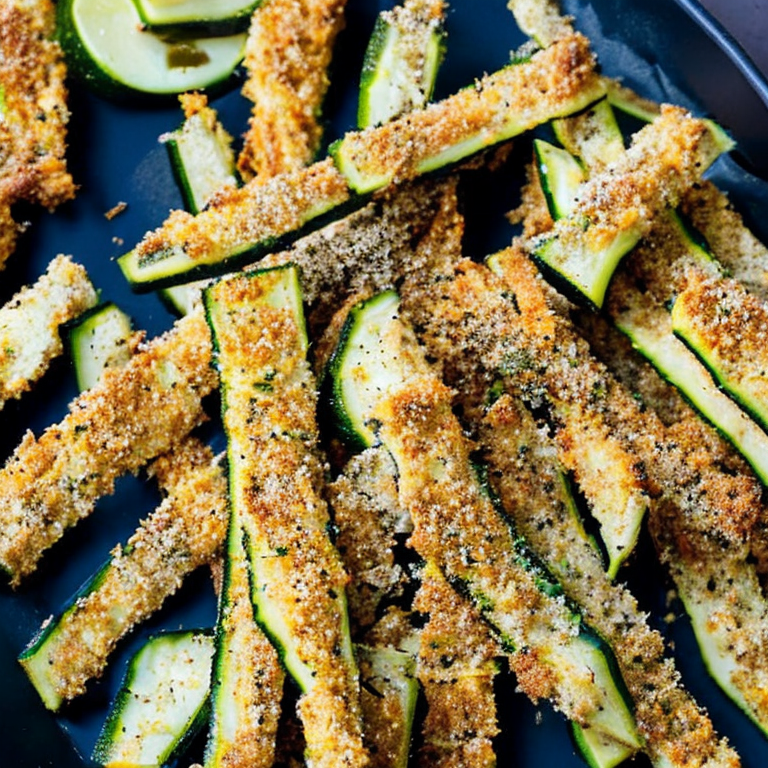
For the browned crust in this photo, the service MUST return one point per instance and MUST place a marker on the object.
(456, 527)
(289, 49)
(456, 670)
(134, 414)
(184, 532)
(35, 115)
(733, 244)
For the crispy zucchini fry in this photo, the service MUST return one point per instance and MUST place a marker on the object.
(524, 470)
(726, 326)
(248, 221)
(287, 55)
(276, 476)
(616, 207)
(134, 414)
(184, 532)
(30, 323)
(34, 113)
(457, 669)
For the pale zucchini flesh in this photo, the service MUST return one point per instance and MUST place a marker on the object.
(202, 160)
(400, 65)
(108, 47)
(161, 704)
(98, 340)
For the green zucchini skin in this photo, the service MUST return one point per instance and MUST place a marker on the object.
(361, 171)
(203, 162)
(659, 336)
(246, 677)
(714, 319)
(388, 676)
(583, 250)
(362, 324)
(162, 702)
(197, 17)
(597, 750)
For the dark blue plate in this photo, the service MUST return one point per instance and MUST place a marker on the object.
(664, 50)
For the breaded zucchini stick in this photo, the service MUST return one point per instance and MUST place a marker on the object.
(540, 20)
(34, 113)
(289, 49)
(617, 205)
(524, 470)
(730, 240)
(134, 414)
(558, 80)
(184, 532)
(457, 669)
(276, 476)
(30, 323)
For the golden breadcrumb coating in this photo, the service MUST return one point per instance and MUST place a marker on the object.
(367, 514)
(289, 49)
(34, 113)
(730, 240)
(728, 327)
(457, 527)
(555, 81)
(133, 414)
(184, 532)
(457, 667)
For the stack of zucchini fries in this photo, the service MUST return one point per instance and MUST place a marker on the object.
(435, 467)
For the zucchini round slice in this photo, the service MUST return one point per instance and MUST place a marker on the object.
(222, 17)
(107, 46)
